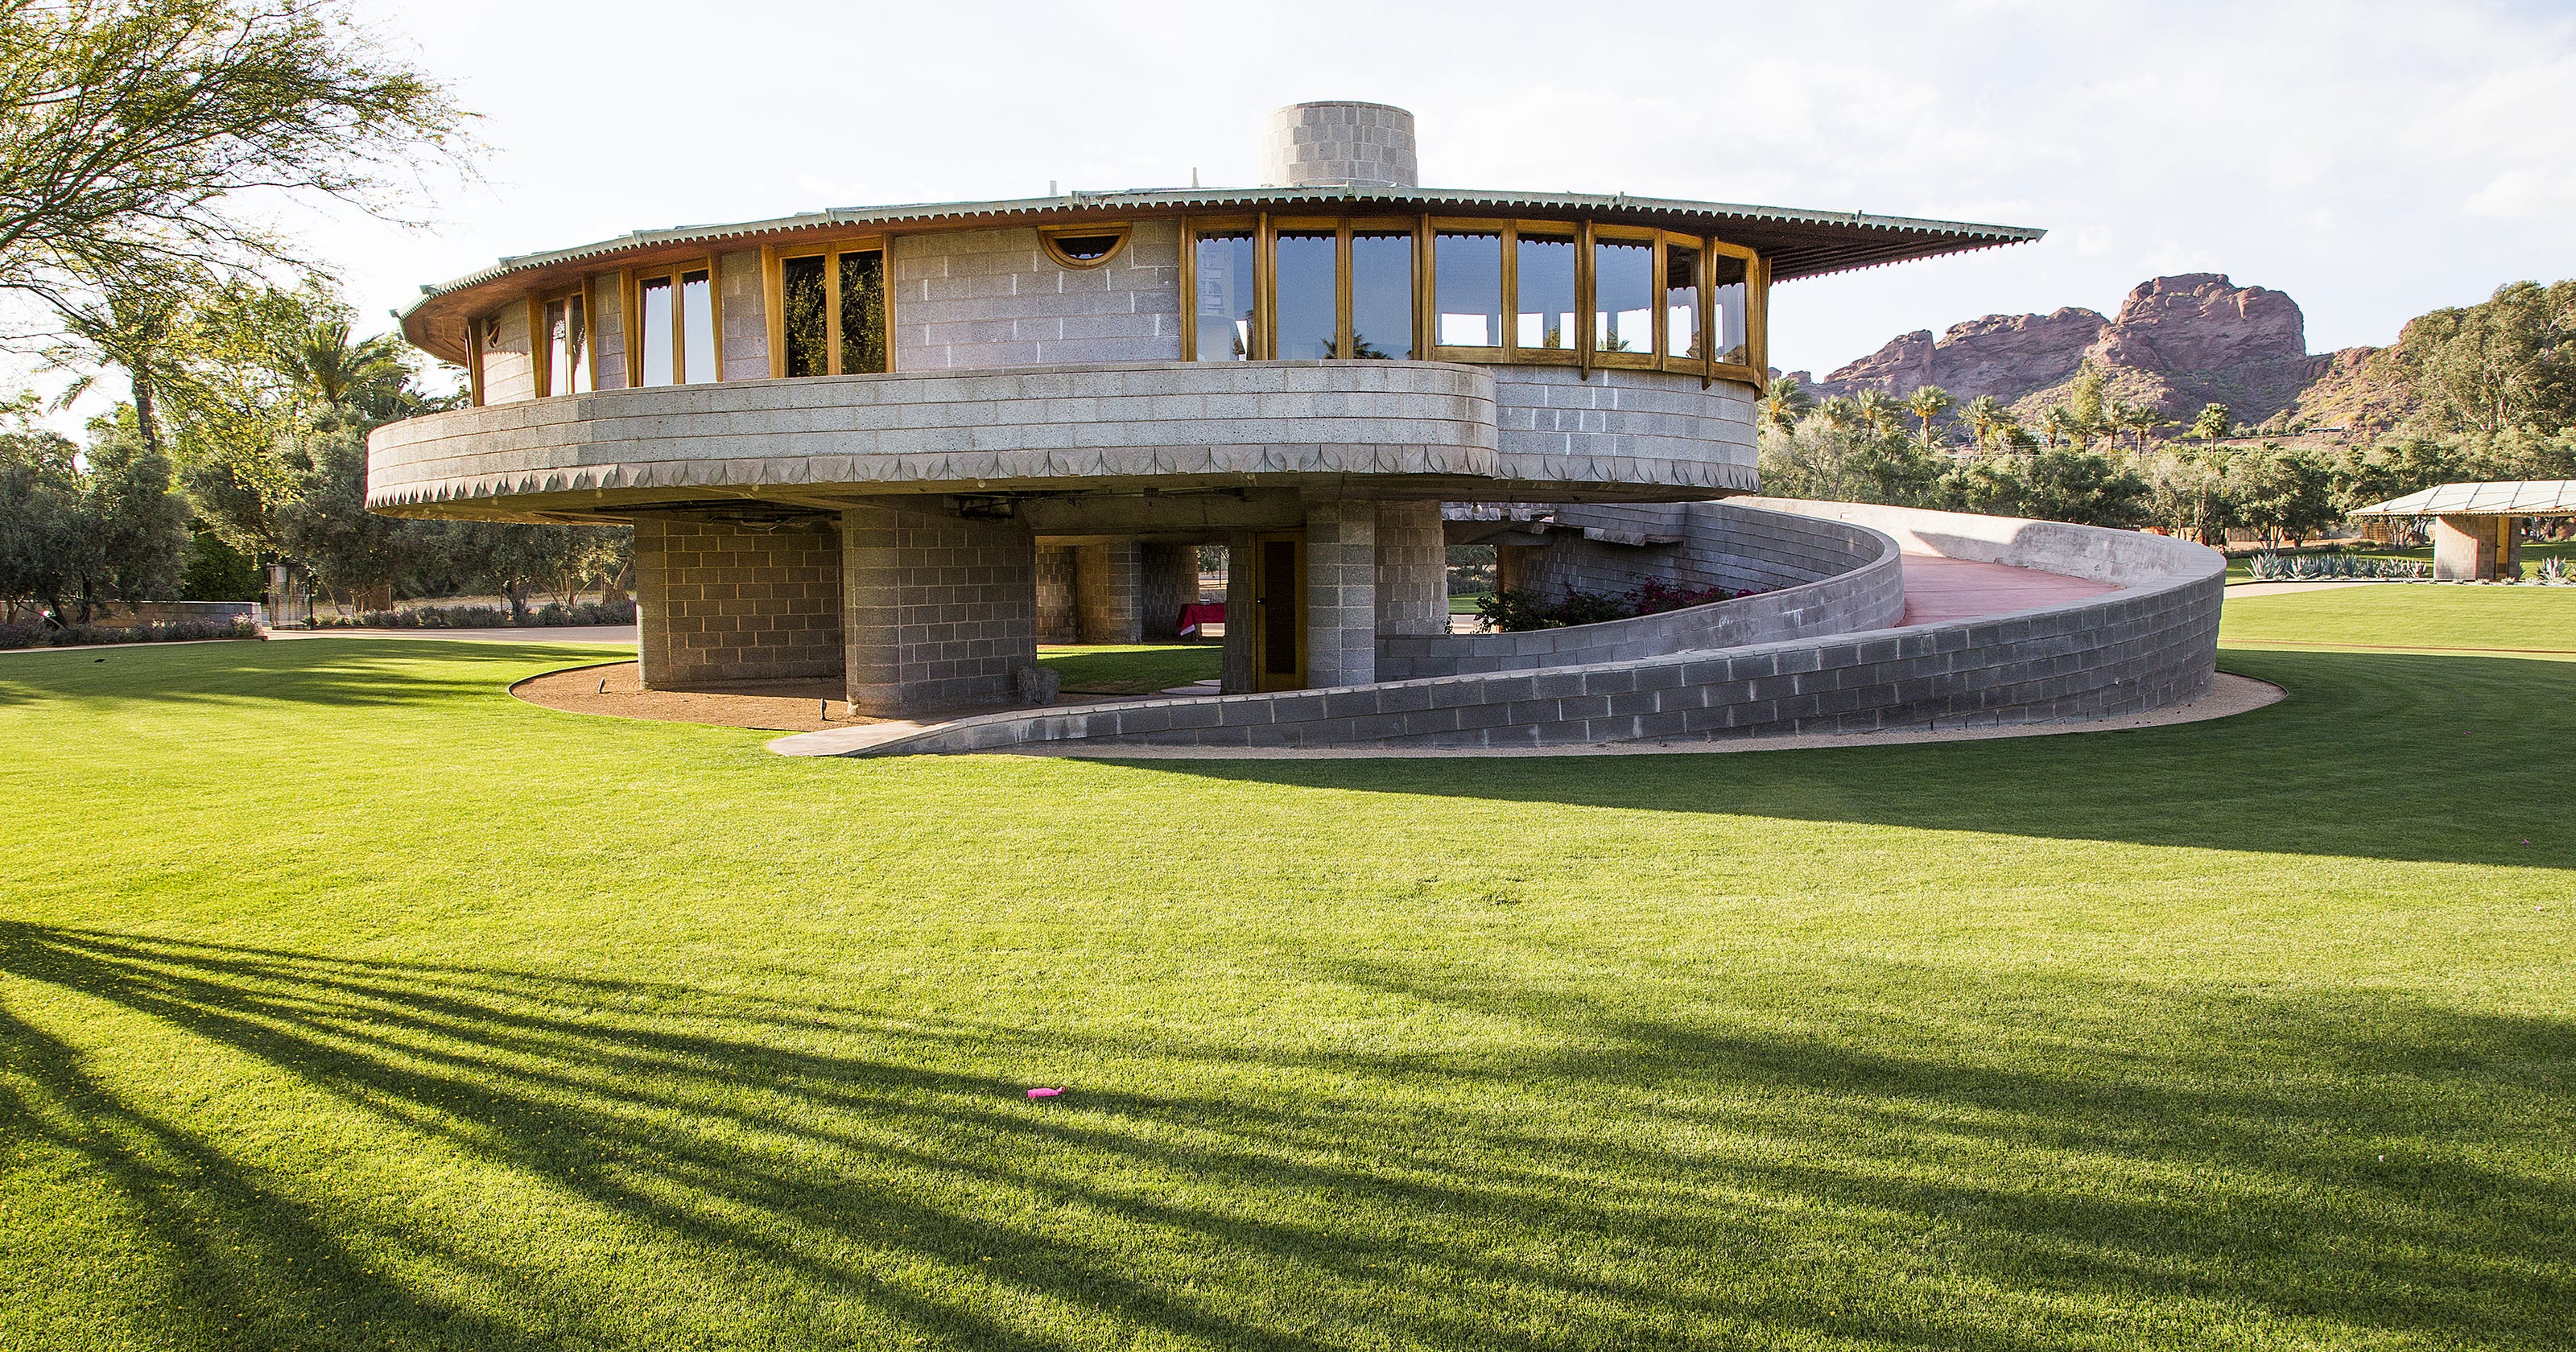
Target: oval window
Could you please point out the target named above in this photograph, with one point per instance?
(1083, 248)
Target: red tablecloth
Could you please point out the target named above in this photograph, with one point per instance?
(1204, 612)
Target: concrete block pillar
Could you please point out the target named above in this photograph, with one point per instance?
(1236, 673)
(722, 601)
(940, 610)
(1057, 622)
(1167, 579)
(1412, 569)
(1341, 593)
(2473, 548)
(1106, 587)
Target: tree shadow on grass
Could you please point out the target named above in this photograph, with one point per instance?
(377, 674)
(2197, 1169)
(2396, 756)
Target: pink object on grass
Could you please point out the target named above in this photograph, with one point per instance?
(1044, 1093)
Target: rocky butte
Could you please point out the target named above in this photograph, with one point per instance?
(2177, 343)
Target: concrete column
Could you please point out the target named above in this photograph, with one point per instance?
(1341, 593)
(940, 610)
(1412, 569)
(2464, 548)
(1167, 578)
(1237, 671)
(718, 602)
(1057, 622)
(1105, 592)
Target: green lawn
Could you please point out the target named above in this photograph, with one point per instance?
(1133, 670)
(2533, 552)
(345, 1002)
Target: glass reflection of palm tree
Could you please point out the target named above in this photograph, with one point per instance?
(1363, 350)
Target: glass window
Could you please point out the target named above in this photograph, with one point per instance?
(804, 313)
(697, 327)
(653, 330)
(1225, 288)
(1309, 296)
(863, 328)
(567, 367)
(1467, 289)
(1545, 304)
(1681, 301)
(1726, 310)
(1623, 296)
(1382, 295)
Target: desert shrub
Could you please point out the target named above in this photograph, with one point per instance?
(2271, 567)
(483, 617)
(2557, 572)
(92, 635)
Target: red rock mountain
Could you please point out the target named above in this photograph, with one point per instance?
(2177, 343)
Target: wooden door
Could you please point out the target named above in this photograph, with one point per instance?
(1279, 611)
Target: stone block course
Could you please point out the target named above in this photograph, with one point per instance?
(693, 625)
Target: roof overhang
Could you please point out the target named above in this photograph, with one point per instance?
(2524, 497)
(1797, 243)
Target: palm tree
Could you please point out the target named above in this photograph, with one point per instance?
(1842, 411)
(366, 378)
(1784, 402)
(1985, 416)
(1877, 410)
(2144, 420)
(1928, 402)
(2056, 425)
(2212, 423)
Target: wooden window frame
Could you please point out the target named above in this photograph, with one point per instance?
(1196, 228)
(480, 332)
(1577, 353)
(630, 310)
(774, 292)
(1652, 358)
(1754, 370)
(1048, 236)
(1500, 353)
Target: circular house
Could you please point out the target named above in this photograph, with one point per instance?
(902, 446)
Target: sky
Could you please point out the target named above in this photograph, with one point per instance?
(2374, 160)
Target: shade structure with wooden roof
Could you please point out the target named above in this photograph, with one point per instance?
(2474, 524)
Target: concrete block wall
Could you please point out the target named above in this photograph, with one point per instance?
(1057, 620)
(941, 610)
(1341, 593)
(607, 307)
(1412, 572)
(1825, 577)
(1107, 580)
(509, 363)
(1555, 425)
(2150, 644)
(986, 298)
(721, 602)
(742, 304)
(1331, 144)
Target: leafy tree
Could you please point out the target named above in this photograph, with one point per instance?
(2187, 495)
(325, 525)
(2057, 426)
(130, 129)
(2507, 362)
(1877, 411)
(80, 533)
(1926, 403)
(520, 560)
(2282, 492)
(2085, 406)
(2083, 487)
(1817, 459)
(2213, 423)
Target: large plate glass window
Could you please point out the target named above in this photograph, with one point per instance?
(1225, 278)
(674, 333)
(1623, 298)
(1308, 283)
(832, 313)
(1382, 294)
(1543, 294)
(1467, 288)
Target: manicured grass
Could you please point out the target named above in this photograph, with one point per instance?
(1465, 604)
(2535, 619)
(1139, 669)
(345, 1002)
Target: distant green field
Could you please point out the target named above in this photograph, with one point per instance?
(1139, 669)
(346, 1002)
